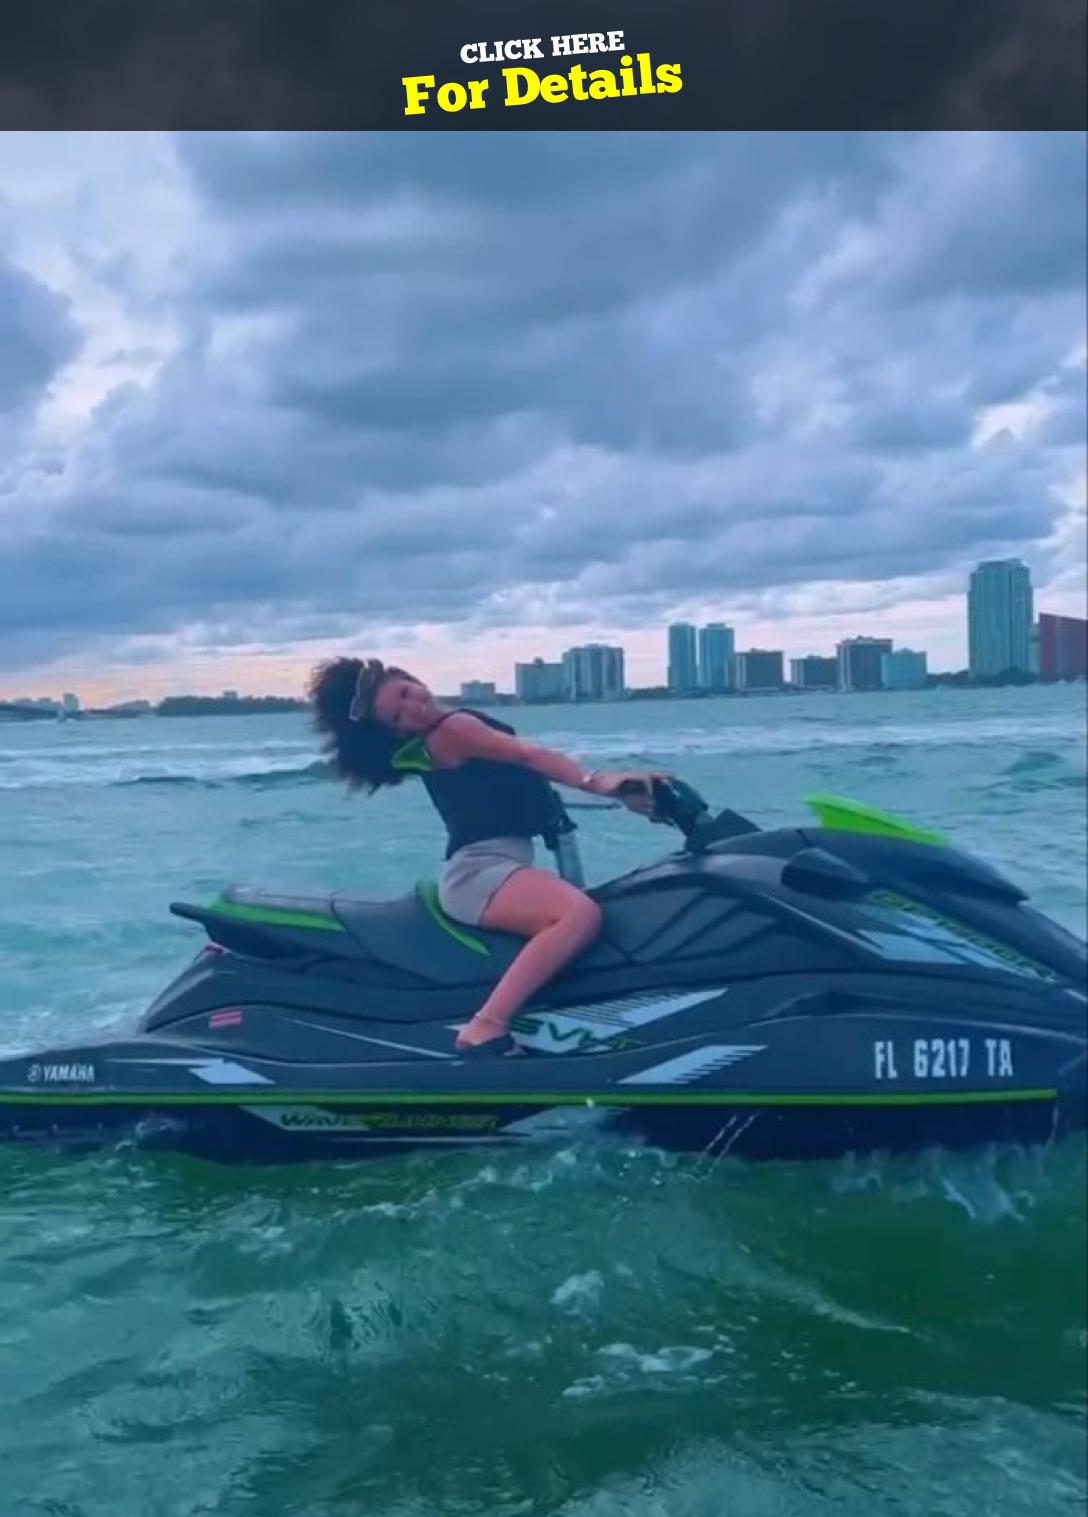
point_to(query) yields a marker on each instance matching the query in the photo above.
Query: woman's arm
(462, 737)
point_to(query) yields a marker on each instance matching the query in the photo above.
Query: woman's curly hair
(341, 693)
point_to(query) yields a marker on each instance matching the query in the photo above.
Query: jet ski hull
(322, 1125)
(772, 1087)
(789, 994)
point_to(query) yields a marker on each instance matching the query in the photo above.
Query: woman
(491, 789)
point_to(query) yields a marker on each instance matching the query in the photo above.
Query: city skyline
(1050, 647)
(853, 368)
(720, 642)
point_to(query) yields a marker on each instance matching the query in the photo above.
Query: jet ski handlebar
(675, 803)
(681, 806)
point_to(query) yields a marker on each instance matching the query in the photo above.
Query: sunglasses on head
(366, 688)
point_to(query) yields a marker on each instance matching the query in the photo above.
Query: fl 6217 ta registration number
(943, 1058)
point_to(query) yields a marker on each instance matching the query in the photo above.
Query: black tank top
(483, 798)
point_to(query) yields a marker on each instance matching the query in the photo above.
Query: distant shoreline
(266, 705)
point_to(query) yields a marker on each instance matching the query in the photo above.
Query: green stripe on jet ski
(427, 892)
(530, 1098)
(276, 916)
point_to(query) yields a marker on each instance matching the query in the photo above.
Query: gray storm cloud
(614, 372)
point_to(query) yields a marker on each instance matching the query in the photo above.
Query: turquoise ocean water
(583, 1331)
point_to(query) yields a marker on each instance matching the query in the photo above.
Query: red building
(1063, 647)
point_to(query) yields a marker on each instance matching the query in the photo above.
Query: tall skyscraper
(715, 657)
(999, 613)
(860, 662)
(683, 664)
(593, 673)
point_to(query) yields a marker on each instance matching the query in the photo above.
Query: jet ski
(851, 985)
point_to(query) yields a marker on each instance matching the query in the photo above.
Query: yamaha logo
(61, 1074)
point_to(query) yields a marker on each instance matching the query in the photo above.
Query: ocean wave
(769, 741)
(1042, 769)
(1033, 761)
(174, 771)
(255, 779)
(1044, 752)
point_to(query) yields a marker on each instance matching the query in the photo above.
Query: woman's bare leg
(558, 919)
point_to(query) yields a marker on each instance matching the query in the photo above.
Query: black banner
(572, 65)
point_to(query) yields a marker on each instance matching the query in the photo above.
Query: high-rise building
(69, 702)
(539, 681)
(903, 670)
(814, 673)
(715, 669)
(859, 662)
(999, 614)
(593, 673)
(759, 669)
(1063, 647)
(683, 663)
(478, 690)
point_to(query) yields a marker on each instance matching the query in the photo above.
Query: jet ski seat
(410, 934)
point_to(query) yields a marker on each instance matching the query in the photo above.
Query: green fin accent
(427, 892)
(842, 815)
(274, 916)
(626, 1097)
(413, 755)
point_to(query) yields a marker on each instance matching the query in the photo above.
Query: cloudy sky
(461, 399)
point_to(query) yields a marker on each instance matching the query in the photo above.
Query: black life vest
(483, 798)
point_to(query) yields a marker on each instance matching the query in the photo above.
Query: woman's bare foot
(480, 1030)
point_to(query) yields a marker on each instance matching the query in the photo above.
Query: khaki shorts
(471, 877)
